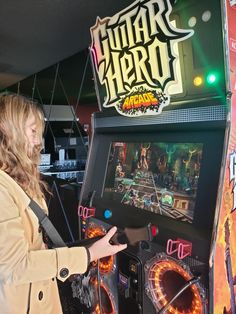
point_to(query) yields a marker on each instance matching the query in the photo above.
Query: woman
(27, 268)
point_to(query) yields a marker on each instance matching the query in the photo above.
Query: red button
(154, 230)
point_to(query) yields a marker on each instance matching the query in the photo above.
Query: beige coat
(27, 269)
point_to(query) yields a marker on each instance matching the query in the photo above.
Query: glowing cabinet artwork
(163, 151)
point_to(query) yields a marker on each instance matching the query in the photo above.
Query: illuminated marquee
(134, 57)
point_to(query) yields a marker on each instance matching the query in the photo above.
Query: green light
(211, 78)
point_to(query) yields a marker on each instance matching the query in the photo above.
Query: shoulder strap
(47, 225)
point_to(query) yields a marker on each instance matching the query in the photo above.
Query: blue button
(107, 213)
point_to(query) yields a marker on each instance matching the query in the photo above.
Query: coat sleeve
(19, 264)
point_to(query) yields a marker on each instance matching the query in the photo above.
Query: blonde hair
(15, 159)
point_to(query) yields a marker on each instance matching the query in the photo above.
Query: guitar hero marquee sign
(134, 58)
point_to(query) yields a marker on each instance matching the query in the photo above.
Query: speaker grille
(198, 114)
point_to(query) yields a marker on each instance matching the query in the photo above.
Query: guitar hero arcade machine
(163, 152)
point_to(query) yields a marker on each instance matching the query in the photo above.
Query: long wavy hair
(15, 158)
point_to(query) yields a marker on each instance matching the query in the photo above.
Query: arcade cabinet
(163, 153)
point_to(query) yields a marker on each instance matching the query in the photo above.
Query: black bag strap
(47, 225)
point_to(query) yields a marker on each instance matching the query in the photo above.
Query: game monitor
(159, 177)
(169, 178)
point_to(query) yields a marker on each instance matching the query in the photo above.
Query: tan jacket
(27, 269)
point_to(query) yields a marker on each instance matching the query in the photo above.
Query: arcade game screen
(159, 177)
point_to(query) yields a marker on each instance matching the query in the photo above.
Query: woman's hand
(103, 247)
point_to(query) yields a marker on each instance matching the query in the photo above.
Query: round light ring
(165, 279)
(107, 299)
(106, 264)
(93, 230)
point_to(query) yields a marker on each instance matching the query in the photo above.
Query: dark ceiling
(44, 47)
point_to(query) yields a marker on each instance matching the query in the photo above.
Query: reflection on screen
(157, 177)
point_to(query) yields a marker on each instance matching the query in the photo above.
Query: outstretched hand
(103, 247)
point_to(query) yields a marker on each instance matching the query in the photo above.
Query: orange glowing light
(107, 301)
(165, 279)
(106, 263)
